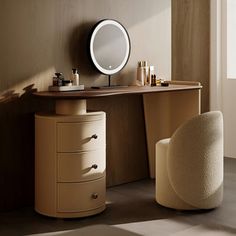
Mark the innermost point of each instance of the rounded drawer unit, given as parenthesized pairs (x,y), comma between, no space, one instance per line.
(76,197)
(70,164)
(83,166)
(81,136)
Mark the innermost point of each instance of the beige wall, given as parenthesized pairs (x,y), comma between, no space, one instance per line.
(191,43)
(41,37)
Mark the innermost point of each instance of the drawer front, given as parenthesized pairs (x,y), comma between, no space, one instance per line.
(83,166)
(73,137)
(76,197)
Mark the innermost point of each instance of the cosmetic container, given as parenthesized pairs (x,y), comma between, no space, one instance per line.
(60,78)
(67,82)
(75,77)
(153,80)
(142,73)
(54,81)
(151,72)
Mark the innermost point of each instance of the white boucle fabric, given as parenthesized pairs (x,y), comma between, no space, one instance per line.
(189,165)
(165,194)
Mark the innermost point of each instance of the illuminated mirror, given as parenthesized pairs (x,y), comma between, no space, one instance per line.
(109,47)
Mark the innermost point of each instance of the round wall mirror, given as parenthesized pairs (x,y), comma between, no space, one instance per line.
(109,46)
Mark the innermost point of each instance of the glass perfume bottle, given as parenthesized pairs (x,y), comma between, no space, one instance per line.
(142,73)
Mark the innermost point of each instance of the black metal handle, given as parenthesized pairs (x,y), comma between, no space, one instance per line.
(94,166)
(94,136)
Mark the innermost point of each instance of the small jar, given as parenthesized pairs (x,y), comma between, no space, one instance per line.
(67,82)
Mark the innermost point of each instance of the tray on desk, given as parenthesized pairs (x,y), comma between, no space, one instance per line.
(65,88)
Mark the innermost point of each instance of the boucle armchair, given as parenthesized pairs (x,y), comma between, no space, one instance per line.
(189,165)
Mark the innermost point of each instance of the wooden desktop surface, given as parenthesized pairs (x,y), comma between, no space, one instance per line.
(111,91)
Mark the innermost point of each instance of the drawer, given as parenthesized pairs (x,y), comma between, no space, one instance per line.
(73,137)
(83,166)
(75,197)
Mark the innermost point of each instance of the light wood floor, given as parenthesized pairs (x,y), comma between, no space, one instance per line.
(131,208)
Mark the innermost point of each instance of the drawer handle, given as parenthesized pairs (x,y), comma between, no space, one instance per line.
(94,136)
(94,196)
(94,166)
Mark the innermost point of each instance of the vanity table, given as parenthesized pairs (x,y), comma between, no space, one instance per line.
(70,145)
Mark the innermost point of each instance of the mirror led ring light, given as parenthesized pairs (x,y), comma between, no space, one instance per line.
(127,53)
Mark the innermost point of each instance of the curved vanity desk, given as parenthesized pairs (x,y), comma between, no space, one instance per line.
(70,145)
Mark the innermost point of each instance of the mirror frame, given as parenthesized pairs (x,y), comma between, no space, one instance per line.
(96,28)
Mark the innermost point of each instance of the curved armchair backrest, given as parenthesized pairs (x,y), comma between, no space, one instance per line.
(195,159)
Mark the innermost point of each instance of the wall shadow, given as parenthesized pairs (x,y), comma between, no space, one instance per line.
(17,146)
(79,48)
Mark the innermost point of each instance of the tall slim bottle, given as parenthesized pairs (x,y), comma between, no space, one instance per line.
(75,77)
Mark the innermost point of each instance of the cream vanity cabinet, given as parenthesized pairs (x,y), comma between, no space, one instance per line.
(70,151)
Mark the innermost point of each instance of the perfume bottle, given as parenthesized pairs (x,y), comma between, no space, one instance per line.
(142,73)
(151,72)
(59,78)
(75,77)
